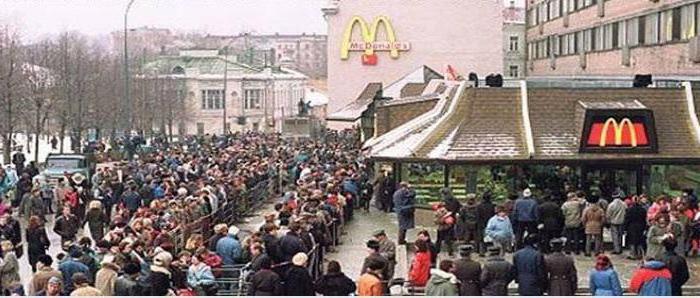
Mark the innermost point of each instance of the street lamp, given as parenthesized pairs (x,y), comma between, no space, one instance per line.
(225,85)
(127,97)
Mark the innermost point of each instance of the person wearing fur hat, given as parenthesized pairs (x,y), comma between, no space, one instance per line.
(81,283)
(43,275)
(161,278)
(229,248)
(107,276)
(297,278)
(72,265)
(128,284)
(9,266)
(96,219)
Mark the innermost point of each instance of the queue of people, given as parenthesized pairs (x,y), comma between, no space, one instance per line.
(129,211)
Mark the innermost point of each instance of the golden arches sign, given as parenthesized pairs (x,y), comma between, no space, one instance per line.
(619,129)
(369,43)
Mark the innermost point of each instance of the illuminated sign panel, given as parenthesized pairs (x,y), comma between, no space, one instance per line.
(369,44)
(619,131)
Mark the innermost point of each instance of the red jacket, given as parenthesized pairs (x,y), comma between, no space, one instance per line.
(420,269)
(644,275)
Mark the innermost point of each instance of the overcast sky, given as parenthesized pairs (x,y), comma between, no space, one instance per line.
(38,18)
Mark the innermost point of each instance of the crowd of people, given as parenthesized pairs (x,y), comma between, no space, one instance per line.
(129,212)
(543,234)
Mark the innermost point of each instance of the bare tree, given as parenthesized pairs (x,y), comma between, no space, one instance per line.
(10,80)
(39,92)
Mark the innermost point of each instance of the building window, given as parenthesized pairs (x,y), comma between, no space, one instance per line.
(513,44)
(513,71)
(688,21)
(616,35)
(675,24)
(252,98)
(642,32)
(200,128)
(632,32)
(212,99)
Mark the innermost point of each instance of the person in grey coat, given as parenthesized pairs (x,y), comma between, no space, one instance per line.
(496,274)
(560,271)
(615,216)
(404,206)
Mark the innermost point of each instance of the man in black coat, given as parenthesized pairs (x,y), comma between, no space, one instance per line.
(484,211)
(468,272)
(677,265)
(18,160)
(496,274)
(298,281)
(529,268)
(560,271)
(552,220)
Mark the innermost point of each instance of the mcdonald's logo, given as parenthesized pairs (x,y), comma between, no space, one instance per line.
(623,133)
(369,44)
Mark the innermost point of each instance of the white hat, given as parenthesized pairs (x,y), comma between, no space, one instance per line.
(162,259)
(300,259)
(78,178)
(233,230)
(107,259)
(527,193)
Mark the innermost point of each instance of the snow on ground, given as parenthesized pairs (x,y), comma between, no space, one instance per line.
(44,147)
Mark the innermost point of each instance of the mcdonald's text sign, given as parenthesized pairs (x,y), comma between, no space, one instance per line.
(369,45)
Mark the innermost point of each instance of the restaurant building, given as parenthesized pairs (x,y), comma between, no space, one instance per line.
(644,140)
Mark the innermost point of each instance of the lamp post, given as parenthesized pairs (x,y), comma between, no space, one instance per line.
(225,86)
(127,98)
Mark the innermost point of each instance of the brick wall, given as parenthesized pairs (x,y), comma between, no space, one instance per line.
(392,116)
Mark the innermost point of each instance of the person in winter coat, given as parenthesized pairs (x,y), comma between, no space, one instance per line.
(652,279)
(635,226)
(334,282)
(404,205)
(529,268)
(468,221)
(32,204)
(593,219)
(375,257)
(44,273)
(106,277)
(220,231)
(658,232)
(468,272)
(387,249)
(571,209)
(420,267)
(370,282)
(445,221)
(128,284)
(160,279)
(229,248)
(297,280)
(500,230)
(551,219)
(71,266)
(677,265)
(291,243)
(615,216)
(484,211)
(560,271)
(37,241)
(496,274)
(81,284)
(265,282)
(442,282)
(9,267)
(603,280)
(97,220)
(66,225)
(200,278)
(524,217)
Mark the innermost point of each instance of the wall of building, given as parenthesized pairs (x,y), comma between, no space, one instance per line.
(392,116)
(463,34)
(514,56)
(574,52)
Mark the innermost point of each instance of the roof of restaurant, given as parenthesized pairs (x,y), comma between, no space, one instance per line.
(485,125)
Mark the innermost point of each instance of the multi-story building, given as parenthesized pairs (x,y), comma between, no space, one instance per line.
(514,50)
(305,53)
(613,39)
(378,41)
(255,98)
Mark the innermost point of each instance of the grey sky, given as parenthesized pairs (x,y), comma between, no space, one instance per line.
(37,18)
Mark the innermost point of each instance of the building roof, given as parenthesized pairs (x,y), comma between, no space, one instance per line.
(354,110)
(205,65)
(487,125)
(315,98)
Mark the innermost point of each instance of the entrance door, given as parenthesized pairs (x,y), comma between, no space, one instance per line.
(605,179)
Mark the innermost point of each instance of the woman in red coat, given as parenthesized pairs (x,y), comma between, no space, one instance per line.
(420,267)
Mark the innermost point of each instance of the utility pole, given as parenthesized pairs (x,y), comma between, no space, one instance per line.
(127,98)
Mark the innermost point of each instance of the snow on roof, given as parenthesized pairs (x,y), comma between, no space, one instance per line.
(315,98)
